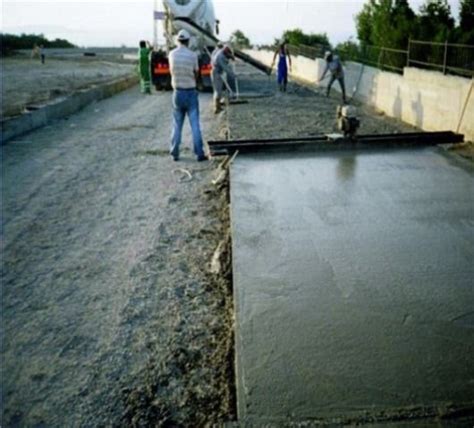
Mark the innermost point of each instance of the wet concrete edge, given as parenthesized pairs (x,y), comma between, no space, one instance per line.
(452,414)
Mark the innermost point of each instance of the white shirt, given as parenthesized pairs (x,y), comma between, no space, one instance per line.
(183,64)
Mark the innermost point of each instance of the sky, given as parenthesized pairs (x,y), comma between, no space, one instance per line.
(119,22)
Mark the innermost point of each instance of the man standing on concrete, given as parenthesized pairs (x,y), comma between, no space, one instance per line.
(220,67)
(334,66)
(184,72)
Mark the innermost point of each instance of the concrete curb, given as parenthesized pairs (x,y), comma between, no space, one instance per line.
(62,107)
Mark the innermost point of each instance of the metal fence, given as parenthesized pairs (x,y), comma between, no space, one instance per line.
(380,57)
(445,57)
(308,51)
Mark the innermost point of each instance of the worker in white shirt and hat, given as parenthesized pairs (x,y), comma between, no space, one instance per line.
(184,68)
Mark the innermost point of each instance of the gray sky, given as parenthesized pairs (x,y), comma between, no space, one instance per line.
(116,23)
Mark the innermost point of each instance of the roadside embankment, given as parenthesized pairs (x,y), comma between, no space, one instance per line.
(25,82)
(428,100)
(62,107)
(34,94)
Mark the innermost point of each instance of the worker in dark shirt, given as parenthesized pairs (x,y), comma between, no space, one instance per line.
(222,72)
(334,66)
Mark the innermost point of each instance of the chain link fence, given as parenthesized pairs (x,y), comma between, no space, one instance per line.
(445,57)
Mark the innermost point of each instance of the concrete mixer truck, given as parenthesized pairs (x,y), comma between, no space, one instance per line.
(198,18)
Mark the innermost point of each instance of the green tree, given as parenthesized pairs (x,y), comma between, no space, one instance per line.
(12,42)
(297,37)
(466,15)
(387,23)
(382,27)
(239,40)
(364,23)
(404,23)
(348,50)
(435,22)
(465,31)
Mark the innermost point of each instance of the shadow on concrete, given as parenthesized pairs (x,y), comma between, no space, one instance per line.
(417,108)
(346,167)
(397,105)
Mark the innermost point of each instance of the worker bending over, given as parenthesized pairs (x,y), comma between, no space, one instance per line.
(334,66)
(216,51)
(221,71)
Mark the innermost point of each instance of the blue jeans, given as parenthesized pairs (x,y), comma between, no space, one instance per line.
(185,101)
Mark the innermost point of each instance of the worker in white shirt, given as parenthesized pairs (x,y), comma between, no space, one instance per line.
(184,70)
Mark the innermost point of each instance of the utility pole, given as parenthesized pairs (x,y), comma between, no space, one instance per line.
(155,25)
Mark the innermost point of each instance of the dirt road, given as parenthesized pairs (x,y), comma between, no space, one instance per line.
(110,313)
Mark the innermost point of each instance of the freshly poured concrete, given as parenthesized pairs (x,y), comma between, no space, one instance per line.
(353,277)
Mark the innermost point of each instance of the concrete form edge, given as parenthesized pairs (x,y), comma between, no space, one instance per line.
(239,386)
(15,127)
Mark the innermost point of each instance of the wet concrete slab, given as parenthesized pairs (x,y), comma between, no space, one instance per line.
(353,278)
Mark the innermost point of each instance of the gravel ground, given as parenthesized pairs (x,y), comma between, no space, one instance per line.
(110,313)
(298,112)
(26,82)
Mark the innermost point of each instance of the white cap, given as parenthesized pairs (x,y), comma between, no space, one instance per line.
(183,35)
(327,54)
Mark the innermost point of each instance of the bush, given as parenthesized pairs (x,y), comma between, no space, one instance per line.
(10,42)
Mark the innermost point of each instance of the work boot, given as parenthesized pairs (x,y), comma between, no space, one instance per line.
(217,107)
(344,98)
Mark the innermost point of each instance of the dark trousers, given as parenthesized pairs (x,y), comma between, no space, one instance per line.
(340,79)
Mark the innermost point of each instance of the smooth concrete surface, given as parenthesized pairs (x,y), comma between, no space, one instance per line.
(62,107)
(427,99)
(353,279)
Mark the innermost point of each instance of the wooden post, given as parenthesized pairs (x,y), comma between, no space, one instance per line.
(155,26)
